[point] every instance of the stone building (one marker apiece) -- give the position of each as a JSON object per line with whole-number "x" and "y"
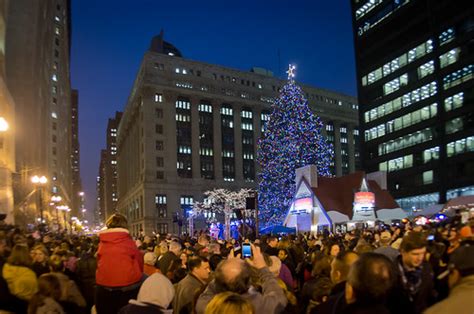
{"x": 190, "y": 126}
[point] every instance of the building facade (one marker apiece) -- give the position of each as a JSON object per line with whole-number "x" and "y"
{"x": 415, "y": 70}
{"x": 77, "y": 193}
{"x": 38, "y": 76}
{"x": 7, "y": 118}
{"x": 110, "y": 179}
{"x": 100, "y": 214}
{"x": 189, "y": 127}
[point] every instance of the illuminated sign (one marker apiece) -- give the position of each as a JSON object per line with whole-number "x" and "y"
{"x": 364, "y": 198}
{"x": 302, "y": 205}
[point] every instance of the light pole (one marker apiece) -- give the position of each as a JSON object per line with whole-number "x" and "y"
{"x": 56, "y": 199}
{"x": 39, "y": 182}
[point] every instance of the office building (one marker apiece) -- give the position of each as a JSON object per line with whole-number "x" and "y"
{"x": 37, "y": 48}
{"x": 7, "y": 118}
{"x": 415, "y": 70}
{"x": 190, "y": 126}
{"x": 77, "y": 193}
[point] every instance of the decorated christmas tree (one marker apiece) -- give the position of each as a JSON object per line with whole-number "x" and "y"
{"x": 291, "y": 139}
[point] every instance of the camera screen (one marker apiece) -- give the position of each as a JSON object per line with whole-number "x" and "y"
{"x": 246, "y": 251}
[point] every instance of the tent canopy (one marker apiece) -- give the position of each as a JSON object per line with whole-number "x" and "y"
{"x": 277, "y": 229}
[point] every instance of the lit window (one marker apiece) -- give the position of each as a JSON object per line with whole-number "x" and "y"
{"x": 160, "y": 199}
{"x": 54, "y": 77}
{"x": 446, "y": 36}
{"x": 54, "y": 115}
{"x": 449, "y": 57}
{"x": 426, "y": 69}
{"x": 428, "y": 177}
{"x": 158, "y": 97}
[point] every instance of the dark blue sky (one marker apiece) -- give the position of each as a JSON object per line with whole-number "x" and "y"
{"x": 109, "y": 39}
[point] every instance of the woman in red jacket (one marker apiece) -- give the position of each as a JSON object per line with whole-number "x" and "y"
{"x": 119, "y": 267}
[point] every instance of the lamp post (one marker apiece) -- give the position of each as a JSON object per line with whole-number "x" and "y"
{"x": 56, "y": 199}
{"x": 65, "y": 209}
{"x": 39, "y": 182}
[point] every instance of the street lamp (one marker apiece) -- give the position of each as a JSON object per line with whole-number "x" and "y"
{"x": 39, "y": 182}
{"x": 65, "y": 209}
{"x": 3, "y": 125}
{"x": 56, "y": 199}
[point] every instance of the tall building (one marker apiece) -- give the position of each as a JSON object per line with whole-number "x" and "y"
{"x": 75, "y": 154}
{"x": 100, "y": 214}
{"x": 110, "y": 167}
{"x": 7, "y": 118}
{"x": 190, "y": 126}
{"x": 37, "y": 50}
{"x": 415, "y": 69}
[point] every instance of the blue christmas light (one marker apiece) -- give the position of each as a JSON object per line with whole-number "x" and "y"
{"x": 291, "y": 139}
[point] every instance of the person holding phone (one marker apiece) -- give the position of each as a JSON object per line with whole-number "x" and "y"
{"x": 233, "y": 275}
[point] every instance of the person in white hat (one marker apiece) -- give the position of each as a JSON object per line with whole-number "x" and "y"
{"x": 155, "y": 296}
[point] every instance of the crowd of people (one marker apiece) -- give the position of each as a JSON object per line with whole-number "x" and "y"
{"x": 403, "y": 268}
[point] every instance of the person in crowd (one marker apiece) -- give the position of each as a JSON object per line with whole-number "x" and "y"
{"x": 321, "y": 270}
{"x": 461, "y": 282}
{"x": 8, "y": 302}
{"x": 319, "y": 294}
{"x": 203, "y": 242}
{"x": 40, "y": 260}
{"x": 85, "y": 271}
{"x": 368, "y": 284}
{"x": 229, "y": 303}
{"x": 272, "y": 246}
{"x": 340, "y": 267}
{"x": 332, "y": 250}
{"x": 274, "y": 264}
{"x": 195, "y": 280}
{"x": 46, "y": 300}
{"x": 155, "y": 296}
{"x": 286, "y": 259}
{"x": 233, "y": 275}
{"x": 22, "y": 281}
{"x": 173, "y": 253}
{"x": 119, "y": 267}
{"x": 414, "y": 291}
{"x": 71, "y": 298}
{"x": 384, "y": 246}
{"x": 149, "y": 260}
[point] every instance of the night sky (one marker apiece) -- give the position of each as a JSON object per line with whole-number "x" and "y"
{"x": 109, "y": 39}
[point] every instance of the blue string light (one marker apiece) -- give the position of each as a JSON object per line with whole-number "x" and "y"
{"x": 291, "y": 139}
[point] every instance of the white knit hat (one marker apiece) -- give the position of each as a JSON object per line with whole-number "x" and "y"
{"x": 158, "y": 290}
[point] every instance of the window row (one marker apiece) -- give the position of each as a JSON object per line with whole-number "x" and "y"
{"x": 460, "y": 146}
{"x": 406, "y": 100}
{"x": 184, "y": 150}
{"x": 406, "y": 141}
{"x": 366, "y": 7}
{"x": 397, "y": 164}
{"x": 454, "y": 102}
{"x": 395, "y": 84}
{"x": 205, "y": 108}
{"x": 399, "y": 62}
{"x": 381, "y": 15}
{"x": 404, "y": 121}
{"x": 458, "y": 77}
{"x": 206, "y": 151}
{"x": 183, "y": 104}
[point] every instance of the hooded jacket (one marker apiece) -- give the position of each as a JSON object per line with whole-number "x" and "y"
{"x": 119, "y": 262}
{"x": 21, "y": 281}
{"x": 155, "y": 296}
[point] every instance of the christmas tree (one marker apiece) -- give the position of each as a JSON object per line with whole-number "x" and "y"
{"x": 291, "y": 139}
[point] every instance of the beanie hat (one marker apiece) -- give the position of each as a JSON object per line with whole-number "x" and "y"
{"x": 158, "y": 290}
{"x": 149, "y": 258}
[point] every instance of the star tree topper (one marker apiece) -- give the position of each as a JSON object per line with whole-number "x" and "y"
{"x": 291, "y": 72}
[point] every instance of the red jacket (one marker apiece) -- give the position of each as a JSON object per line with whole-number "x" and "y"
{"x": 119, "y": 262}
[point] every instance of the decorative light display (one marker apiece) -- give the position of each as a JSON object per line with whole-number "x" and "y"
{"x": 291, "y": 139}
